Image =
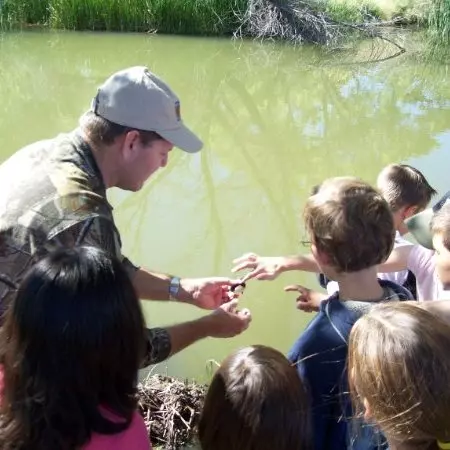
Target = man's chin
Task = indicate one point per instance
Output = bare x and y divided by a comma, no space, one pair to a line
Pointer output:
137,188
131,188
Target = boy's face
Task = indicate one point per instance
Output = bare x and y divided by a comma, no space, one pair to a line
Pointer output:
401,215
442,260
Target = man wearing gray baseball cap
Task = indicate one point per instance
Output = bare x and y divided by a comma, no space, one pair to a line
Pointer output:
54,194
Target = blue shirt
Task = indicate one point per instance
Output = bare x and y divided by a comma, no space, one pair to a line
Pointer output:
320,355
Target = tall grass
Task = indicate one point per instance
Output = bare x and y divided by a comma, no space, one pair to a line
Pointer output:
353,11
204,17
439,23
112,15
199,17
15,12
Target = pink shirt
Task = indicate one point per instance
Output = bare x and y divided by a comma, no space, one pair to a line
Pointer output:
421,264
135,437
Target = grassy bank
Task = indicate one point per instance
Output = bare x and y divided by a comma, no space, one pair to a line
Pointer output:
439,22
200,17
313,21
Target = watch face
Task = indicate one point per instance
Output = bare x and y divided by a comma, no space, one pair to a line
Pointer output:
174,286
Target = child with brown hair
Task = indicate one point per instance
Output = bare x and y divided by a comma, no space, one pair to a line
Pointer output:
351,231
407,192
255,401
399,374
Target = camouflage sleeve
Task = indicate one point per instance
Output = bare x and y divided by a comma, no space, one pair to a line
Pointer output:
97,232
159,346
102,233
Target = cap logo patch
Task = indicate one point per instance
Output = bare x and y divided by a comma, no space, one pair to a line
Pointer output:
177,111
95,102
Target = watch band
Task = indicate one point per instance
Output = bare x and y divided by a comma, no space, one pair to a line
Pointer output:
174,288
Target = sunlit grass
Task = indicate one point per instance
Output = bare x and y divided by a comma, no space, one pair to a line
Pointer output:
353,11
201,17
439,23
205,17
13,12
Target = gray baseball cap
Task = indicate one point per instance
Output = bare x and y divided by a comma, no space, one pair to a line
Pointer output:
137,98
420,224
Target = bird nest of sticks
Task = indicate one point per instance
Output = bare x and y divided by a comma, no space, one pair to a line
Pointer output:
171,409
305,21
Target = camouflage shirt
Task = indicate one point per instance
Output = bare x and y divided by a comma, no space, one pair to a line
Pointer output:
53,194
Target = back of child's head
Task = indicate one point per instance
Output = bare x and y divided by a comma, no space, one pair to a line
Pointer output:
256,401
440,224
440,237
399,371
73,340
350,223
404,186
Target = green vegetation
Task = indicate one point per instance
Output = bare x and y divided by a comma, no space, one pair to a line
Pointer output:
200,17
439,22
353,11
225,17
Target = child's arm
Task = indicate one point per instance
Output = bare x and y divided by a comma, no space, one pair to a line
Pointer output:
307,300
398,259
269,267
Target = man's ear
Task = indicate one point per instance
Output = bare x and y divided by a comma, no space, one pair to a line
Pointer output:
129,142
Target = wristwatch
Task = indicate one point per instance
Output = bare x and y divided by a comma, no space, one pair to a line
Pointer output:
174,288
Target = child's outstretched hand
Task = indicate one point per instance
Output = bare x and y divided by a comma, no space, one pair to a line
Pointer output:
261,267
307,300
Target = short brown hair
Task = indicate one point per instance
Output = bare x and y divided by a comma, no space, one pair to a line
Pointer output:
440,224
398,362
104,132
351,223
256,401
403,185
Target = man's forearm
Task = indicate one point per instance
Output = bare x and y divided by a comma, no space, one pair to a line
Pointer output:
185,334
151,285
155,286
165,342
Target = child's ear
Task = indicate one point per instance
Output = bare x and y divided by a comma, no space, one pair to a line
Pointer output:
321,258
367,411
410,211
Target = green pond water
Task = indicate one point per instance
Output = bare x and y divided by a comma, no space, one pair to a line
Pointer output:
275,120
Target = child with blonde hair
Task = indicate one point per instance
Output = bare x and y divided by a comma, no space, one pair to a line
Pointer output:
399,374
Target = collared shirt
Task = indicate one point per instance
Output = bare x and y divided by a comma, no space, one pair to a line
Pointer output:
53,194
320,357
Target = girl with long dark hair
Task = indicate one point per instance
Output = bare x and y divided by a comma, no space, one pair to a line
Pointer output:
71,346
